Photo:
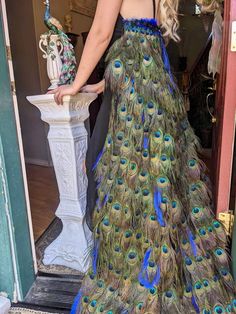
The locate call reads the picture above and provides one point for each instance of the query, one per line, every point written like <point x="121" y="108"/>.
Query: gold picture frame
<point x="85" y="7"/>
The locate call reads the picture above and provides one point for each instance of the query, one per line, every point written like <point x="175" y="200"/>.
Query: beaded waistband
<point x="143" y="26"/>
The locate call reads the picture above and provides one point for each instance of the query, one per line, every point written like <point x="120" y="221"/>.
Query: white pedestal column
<point x="68" y="144"/>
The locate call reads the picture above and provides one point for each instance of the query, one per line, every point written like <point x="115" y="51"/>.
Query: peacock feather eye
<point x="164" y="158"/>
<point x="132" y="255"/>
<point x="128" y="234"/>
<point x="117" y="64"/>
<point x="198" y="285"/>
<point x="229" y="308"/>
<point x="158" y="134"/>
<point x="188" y="289"/>
<point x="164" y="200"/>
<point x="224" y="272"/>
<point x="140" y="100"/>
<point x="234" y="303"/>
<point x="192" y="163"/>
<point x="93" y="303"/>
<point x="169" y="294"/>
<point x="210" y="229"/>
<point x="106" y="222"/>
<point x="205" y="283"/>
<point x="138" y="235"/>
<point x="174" y="204"/>
<point x="219" y="252"/>
<point x="133" y="168"/>
<point x="120" y="136"/>
<point x="145" y="154"/>
<point x="216" y="224"/>
<point x="110" y="199"/>
<point x="150" y="108"/>
<point x="123" y="163"/>
<point x="101" y="309"/>
<point x="196" y="210"/>
<point x="153" y="291"/>
<point x="150" y="105"/>
<point x="159" y="111"/>
<point x="205" y="311"/>
<point x="165" y="249"/>
<point x="216" y="278"/>
<point x="153" y="218"/>
<point x="168" y="139"/>
<point x="147" y="60"/>
<point x="188" y="261"/>
<point x="139" y="305"/>
<point x="142" y="40"/>
<point x="199" y="259"/>
<point x="163" y="182"/>
<point x="202" y="231"/>
<point x="146" y="192"/>
<point x="219" y="309"/>
<point x="85" y="299"/>
<point x="151" y="264"/>
<point x="91" y="276"/>
<point x="117" y="67"/>
<point x="193" y="187"/>
<point x="117" y="206"/>
<point x="117" y="249"/>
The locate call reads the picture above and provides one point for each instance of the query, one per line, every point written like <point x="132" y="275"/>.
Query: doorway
<point x="41" y="178"/>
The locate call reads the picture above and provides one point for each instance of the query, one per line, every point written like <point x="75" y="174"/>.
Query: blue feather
<point x="193" y="244"/>
<point x="145" y="142"/>
<point x="98" y="159"/>
<point x="95" y="257"/>
<point x="145" y="281"/>
<point x="157" y="202"/>
<point x="143" y="117"/>
<point x="195" y="305"/>
<point x="76" y="303"/>
<point x="105" y="200"/>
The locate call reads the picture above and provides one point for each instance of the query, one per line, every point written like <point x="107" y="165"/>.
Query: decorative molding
<point x="85" y="7"/>
<point x="68" y="145"/>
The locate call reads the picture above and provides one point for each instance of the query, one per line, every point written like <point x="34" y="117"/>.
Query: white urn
<point x="52" y="48"/>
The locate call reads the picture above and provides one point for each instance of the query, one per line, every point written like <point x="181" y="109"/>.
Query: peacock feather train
<point x="158" y="246"/>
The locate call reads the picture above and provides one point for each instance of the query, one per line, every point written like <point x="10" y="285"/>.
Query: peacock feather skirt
<point x="158" y="246"/>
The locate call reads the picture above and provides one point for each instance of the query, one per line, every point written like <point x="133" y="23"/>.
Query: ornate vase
<point x="52" y="48"/>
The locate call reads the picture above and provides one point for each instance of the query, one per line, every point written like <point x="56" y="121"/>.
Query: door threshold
<point x="41" y="309"/>
<point x="54" y="293"/>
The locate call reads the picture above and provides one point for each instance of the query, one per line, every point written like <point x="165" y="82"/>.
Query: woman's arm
<point x="97" y="41"/>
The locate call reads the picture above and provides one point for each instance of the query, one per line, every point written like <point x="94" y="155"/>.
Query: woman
<point x="158" y="247"/>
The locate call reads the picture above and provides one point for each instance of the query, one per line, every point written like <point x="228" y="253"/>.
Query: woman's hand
<point x="61" y="91"/>
<point x="94" y="88"/>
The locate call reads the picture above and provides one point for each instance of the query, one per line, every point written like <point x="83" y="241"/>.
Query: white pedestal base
<point x="68" y="144"/>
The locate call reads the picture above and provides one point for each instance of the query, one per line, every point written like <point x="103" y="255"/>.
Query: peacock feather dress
<point x="158" y="246"/>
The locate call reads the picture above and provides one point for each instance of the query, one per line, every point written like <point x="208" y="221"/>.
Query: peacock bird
<point x="68" y="70"/>
<point x="51" y="22"/>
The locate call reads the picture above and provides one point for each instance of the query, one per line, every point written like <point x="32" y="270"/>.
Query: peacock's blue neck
<point x="47" y="14"/>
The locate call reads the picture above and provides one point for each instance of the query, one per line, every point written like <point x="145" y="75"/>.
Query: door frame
<point x="224" y="133"/>
<point x="18" y="230"/>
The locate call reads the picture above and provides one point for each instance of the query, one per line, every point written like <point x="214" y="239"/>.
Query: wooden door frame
<point x="223" y="143"/>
